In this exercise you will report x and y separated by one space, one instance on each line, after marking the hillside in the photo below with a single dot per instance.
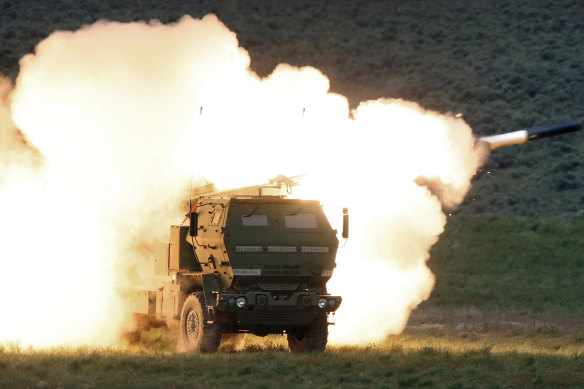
503 65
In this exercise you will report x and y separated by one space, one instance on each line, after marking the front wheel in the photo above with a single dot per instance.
195 333
311 338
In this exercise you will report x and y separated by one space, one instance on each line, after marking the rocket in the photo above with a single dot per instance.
512 138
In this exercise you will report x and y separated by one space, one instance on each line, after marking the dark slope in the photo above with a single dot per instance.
504 65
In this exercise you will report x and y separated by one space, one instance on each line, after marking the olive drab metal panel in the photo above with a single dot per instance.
181 255
209 243
284 238
142 302
211 288
161 256
169 301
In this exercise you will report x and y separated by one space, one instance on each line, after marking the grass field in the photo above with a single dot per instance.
427 359
509 266
506 312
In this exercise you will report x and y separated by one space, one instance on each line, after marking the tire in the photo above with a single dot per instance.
195 333
311 338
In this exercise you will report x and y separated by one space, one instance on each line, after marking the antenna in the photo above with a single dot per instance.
192 176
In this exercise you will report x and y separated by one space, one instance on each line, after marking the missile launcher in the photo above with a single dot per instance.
250 260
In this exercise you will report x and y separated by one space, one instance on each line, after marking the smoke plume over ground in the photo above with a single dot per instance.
116 119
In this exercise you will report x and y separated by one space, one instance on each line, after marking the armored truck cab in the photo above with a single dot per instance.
245 264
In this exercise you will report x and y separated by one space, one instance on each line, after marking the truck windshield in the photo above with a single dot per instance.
254 220
300 220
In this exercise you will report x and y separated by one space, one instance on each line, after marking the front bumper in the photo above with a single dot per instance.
276 311
264 300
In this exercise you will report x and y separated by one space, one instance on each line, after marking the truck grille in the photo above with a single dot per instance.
278 316
278 270
278 286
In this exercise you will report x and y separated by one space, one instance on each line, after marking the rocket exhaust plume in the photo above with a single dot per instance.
115 119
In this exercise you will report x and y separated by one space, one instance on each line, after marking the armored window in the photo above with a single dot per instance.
216 217
300 220
255 220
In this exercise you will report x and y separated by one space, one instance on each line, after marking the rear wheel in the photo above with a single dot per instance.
311 338
195 333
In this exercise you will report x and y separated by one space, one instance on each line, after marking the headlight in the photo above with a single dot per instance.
322 303
241 302
231 301
332 303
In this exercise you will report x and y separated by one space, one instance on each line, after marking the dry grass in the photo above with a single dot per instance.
421 360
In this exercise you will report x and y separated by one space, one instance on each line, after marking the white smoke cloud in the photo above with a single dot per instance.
15 151
125 114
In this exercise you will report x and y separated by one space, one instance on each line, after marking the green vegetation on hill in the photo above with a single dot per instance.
505 65
508 266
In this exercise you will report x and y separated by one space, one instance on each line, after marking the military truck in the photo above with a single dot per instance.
249 260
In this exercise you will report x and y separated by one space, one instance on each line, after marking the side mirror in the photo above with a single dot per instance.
345 223
194 225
